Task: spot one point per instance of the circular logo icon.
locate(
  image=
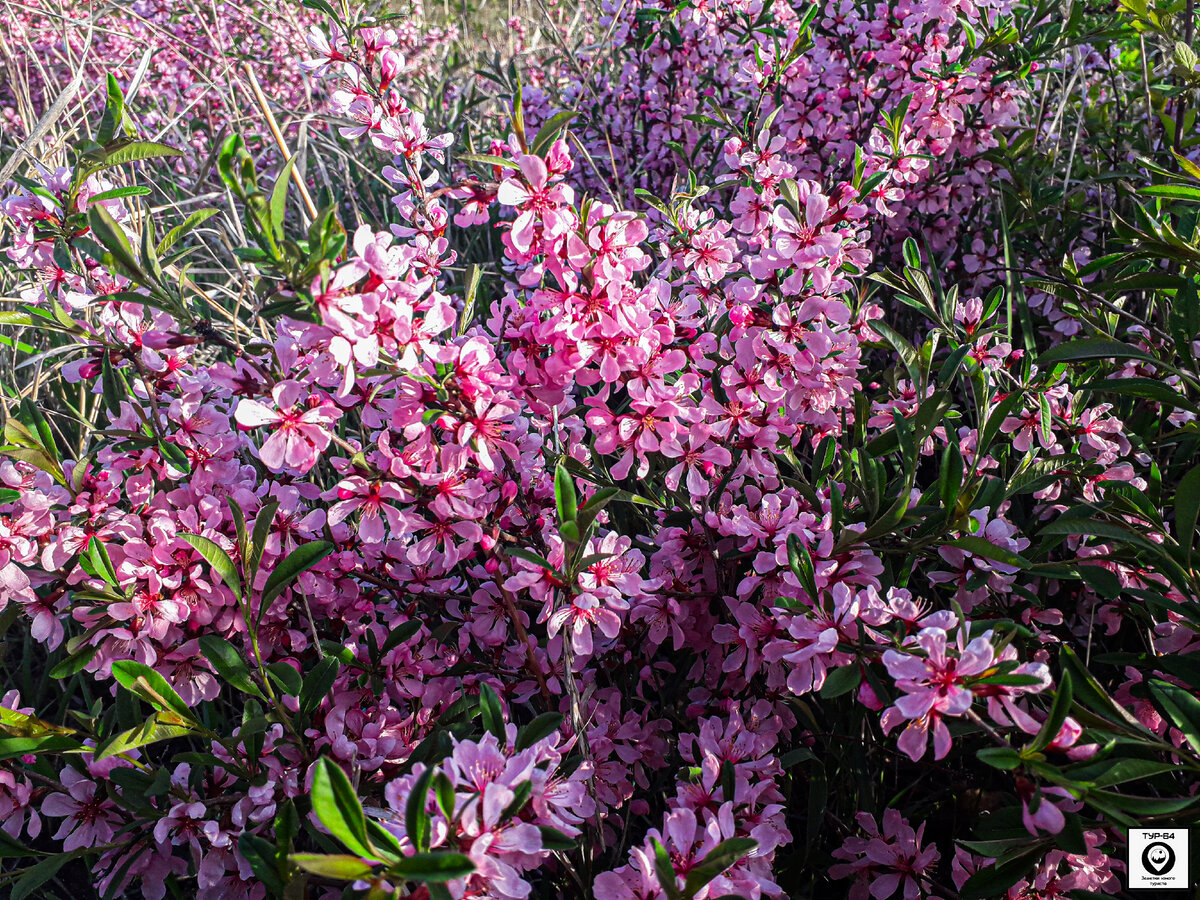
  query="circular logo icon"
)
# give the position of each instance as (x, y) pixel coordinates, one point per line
(1158, 858)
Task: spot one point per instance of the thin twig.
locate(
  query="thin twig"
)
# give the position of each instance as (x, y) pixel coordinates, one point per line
(261, 99)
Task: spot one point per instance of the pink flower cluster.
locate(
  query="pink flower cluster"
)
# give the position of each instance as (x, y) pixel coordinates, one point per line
(581, 480)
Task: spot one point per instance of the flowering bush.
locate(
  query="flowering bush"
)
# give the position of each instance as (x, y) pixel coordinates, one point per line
(683, 530)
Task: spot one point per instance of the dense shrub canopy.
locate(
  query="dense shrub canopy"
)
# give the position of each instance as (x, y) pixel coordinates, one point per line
(722, 449)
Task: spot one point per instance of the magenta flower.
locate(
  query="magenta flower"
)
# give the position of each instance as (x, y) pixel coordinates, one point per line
(89, 818)
(934, 687)
(538, 203)
(300, 434)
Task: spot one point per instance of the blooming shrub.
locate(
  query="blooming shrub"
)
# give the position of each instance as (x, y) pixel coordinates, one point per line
(532, 545)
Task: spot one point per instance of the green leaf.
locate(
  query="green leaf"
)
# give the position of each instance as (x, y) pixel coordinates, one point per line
(1063, 697)
(718, 859)
(101, 561)
(1004, 758)
(1187, 511)
(219, 560)
(1107, 772)
(565, 499)
(37, 875)
(841, 681)
(258, 540)
(665, 871)
(150, 686)
(338, 809)
(1181, 707)
(995, 880)
(1089, 693)
(260, 853)
(1171, 191)
(133, 190)
(175, 457)
(286, 677)
(1091, 348)
(416, 817)
(159, 727)
(1138, 807)
(1148, 388)
(549, 131)
(470, 292)
(433, 867)
(950, 478)
(133, 151)
(114, 111)
(529, 556)
(485, 159)
(74, 663)
(492, 712)
(112, 384)
(228, 663)
(553, 839)
(318, 682)
(298, 561)
(1101, 580)
(540, 728)
(12, 747)
(278, 205)
(443, 789)
(402, 633)
(171, 238)
(978, 546)
(338, 866)
(112, 237)
(801, 564)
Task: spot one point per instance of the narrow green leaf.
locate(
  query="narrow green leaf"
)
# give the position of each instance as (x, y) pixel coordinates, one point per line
(74, 663)
(278, 205)
(134, 151)
(159, 727)
(978, 546)
(540, 728)
(416, 817)
(1063, 697)
(565, 499)
(114, 111)
(1091, 348)
(37, 875)
(549, 131)
(338, 808)
(841, 681)
(219, 560)
(144, 681)
(1187, 511)
(318, 682)
(717, 860)
(297, 562)
(228, 663)
(171, 238)
(338, 866)
(436, 868)
(112, 237)
(1148, 388)
(492, 712)
(1182, 708)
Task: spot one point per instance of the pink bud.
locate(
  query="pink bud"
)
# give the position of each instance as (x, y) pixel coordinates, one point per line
(868, 698)
(390, 64)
